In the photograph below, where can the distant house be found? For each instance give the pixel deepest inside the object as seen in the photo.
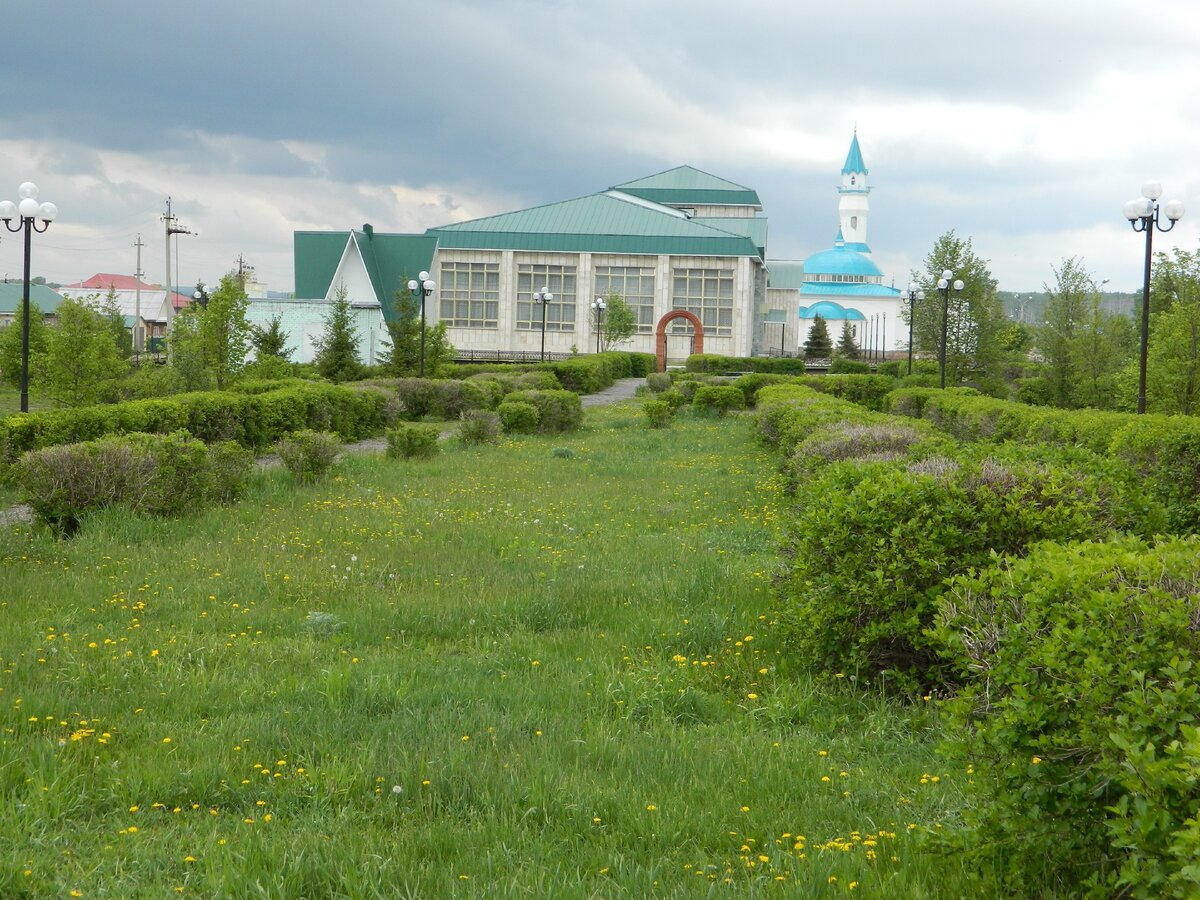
(12, 294)
(147, 308)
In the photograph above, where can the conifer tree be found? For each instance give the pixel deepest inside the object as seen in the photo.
(337, 348)
(818, 345)
(847, 347)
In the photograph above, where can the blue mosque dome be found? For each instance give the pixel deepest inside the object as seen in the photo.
(841, 260)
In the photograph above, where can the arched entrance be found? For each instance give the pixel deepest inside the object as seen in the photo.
(660, 342)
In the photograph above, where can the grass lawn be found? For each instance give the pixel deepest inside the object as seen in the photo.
(511, 670)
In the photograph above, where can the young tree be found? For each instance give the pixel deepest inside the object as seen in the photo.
(975, 315)
(401, 351)
(208, 344)
(10, 344)
(620, 322)
(818, 344)
(1103, 344)
(1066, 307)
(110, 310)
(847, 347)
(337, 347)
(1173, 361)
(270, 341)
(1176, 279)
(80, 353)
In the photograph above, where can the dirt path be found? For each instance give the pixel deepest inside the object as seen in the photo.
(623, 389)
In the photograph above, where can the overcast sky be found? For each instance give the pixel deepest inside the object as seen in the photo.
(1023, 125)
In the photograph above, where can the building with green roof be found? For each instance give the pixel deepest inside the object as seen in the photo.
(681, 239)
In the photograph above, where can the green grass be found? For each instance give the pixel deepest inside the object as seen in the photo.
(502, 671)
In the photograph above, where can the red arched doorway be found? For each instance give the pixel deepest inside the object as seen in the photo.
(660, 342)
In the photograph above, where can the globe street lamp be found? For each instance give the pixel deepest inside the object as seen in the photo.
(1144, 215)
(912, 295)
(424, 287)
(201, 295)
(599, 306)
(944, 285)
(543, 297)
(27, 214)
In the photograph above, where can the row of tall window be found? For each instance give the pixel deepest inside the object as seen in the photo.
(470, 295)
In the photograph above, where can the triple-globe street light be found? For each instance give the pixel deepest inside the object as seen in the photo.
(599, 306)
(544, 297)
(912, 295)
(27, 213)
(944, 284)
(1145, 214)
(422, 287)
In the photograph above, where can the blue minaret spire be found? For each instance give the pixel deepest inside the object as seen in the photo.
(854, 206)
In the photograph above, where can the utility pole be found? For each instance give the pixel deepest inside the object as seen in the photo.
(172, 228)
(139, 333)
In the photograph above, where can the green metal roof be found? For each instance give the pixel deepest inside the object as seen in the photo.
(687, 186)
(316, 255)
(12, 292)
(599, 223)
(390, 259)
(785, 273)
(752, 227)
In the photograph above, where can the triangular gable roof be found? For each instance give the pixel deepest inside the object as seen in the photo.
(315, 258)
(609, 222)
(689, 186)
(854, 160)
(392, 260)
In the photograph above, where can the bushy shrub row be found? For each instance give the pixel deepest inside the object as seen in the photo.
(556, 411)
(441, 399)
(252, 420)
(865, 390)
(157, 474)
(718, 399)
(715, 364)
(1080, 723)
(596, 371)
(1164, 451)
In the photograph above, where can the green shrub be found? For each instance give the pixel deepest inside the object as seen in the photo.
(156, 474)
(142, 383)
(407, 441)
(715, 364)
(846, 440)
(673, 399)
(865, 390)
(889, 369)
(1080, 721)
(308, 454)
(658, 413)
(875, 542)
(479, 426)
(718, 399)
(658, 382)
(751, 384)
(536, 381)
(557, 410)
(842, 366)
(687, 387)
(518, 417)
(495, 386)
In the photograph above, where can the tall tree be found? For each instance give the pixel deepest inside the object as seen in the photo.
(10, 344)
(975, 315)
(847, 347)
(110, 309)
(620, 322)
(401, 351)
(337, 347)
(1103, 344)
(80, 353)
(1176, 279)
(818, 344)
(1173, 361)
(1068, 301)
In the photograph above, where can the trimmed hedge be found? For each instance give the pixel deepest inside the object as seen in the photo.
(157, 474)
(252, 420)
(715, 364)
(1081, 723)
(557, 410)
(1164, 451)
(718, 399)
(865, 390)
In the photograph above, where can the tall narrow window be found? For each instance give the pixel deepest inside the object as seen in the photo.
(470, 294)
(635, 285)
(706, 293)
(560, 312)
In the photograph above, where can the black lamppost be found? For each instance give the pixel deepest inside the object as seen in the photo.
(912, 295)
(599, 306)
(27, 214)
(944, 285)
(422, 288)
(543, 297)
(201, 295)
(1144, 215)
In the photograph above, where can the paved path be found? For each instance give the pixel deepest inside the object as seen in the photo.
(621, 390)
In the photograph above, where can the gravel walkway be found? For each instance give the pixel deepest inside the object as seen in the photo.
(623, 389)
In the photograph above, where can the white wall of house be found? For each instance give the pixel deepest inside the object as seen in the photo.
(304, 322)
